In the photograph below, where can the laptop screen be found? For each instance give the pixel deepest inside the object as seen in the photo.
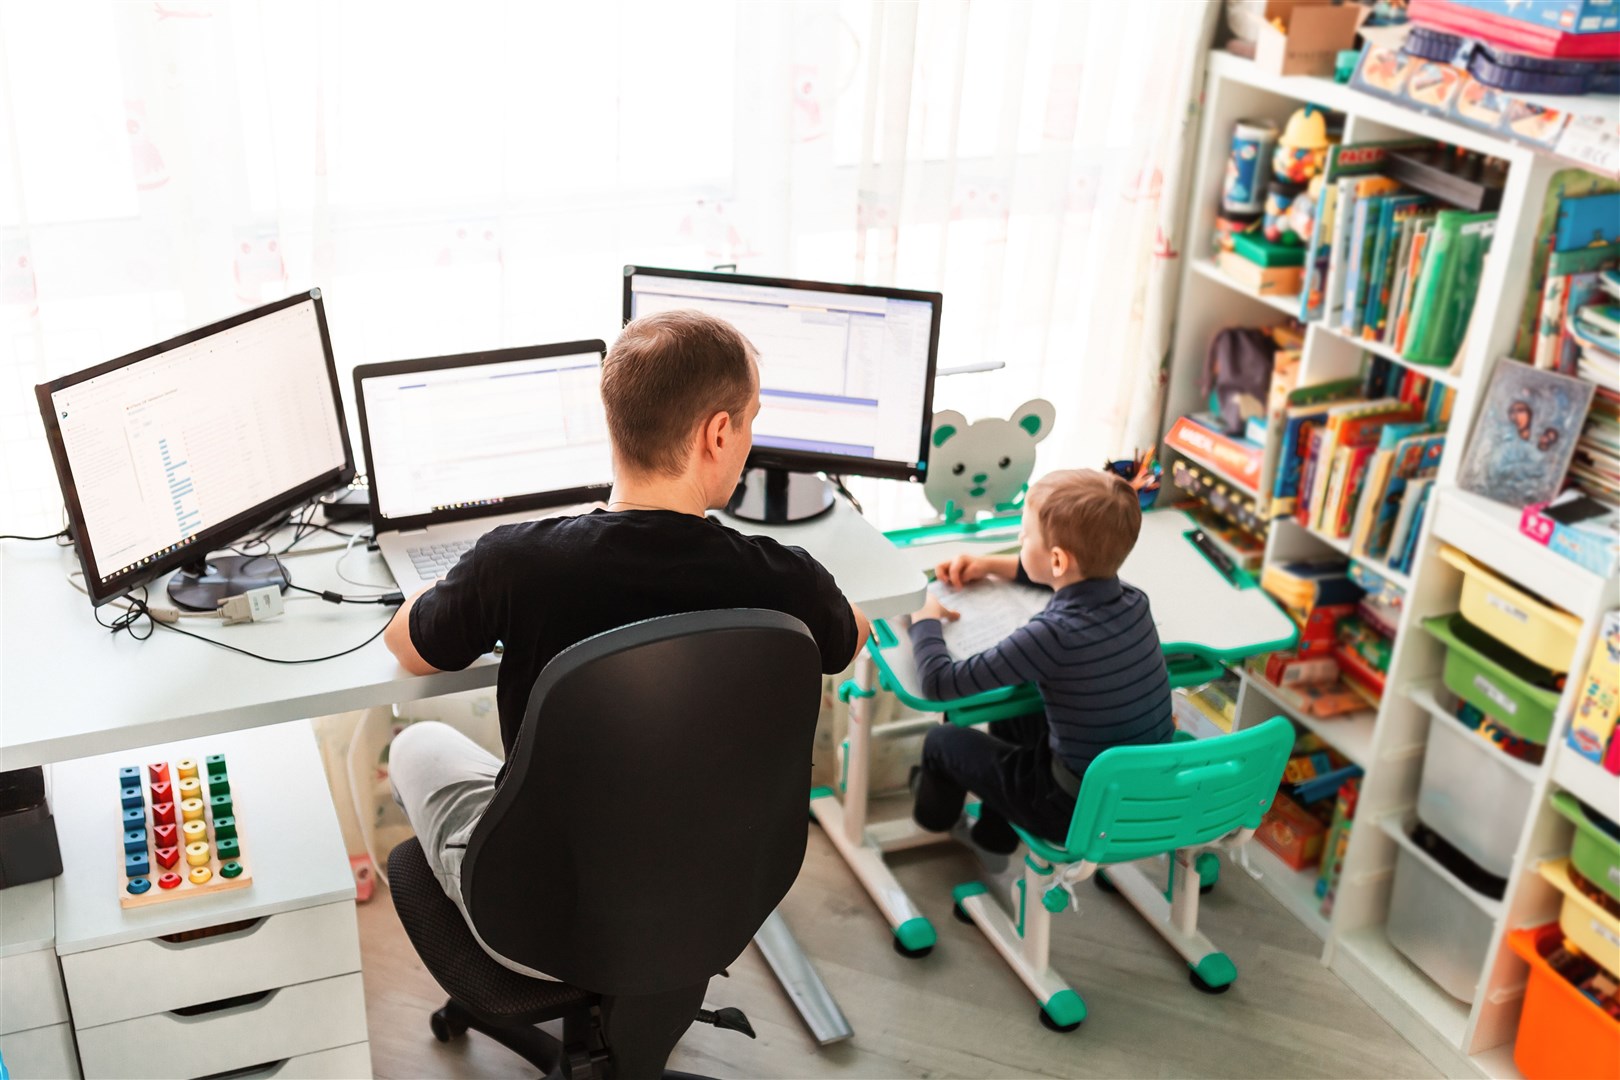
(469, 434)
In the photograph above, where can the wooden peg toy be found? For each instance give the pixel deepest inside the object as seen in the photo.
(164, 835)
(169, 881)
(158, 772)
(163, 813)
(197, 854)
(193, 831)
(136, 864)
(187, 767)
(167, 856)
(131, 797)
(200, 875)
(191, 810)
(134, 840)
(139, 885)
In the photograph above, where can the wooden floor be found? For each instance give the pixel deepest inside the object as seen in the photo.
(960, 1011)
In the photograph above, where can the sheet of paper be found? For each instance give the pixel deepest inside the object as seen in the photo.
(990, 611)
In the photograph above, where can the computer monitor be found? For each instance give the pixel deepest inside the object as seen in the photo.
(846, 377)
(467, 436)
(181, 448)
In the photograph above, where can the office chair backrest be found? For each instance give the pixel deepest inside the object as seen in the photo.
(1137, 801)
(655, 808)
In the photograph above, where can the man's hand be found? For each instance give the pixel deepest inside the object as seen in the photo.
(933, 609)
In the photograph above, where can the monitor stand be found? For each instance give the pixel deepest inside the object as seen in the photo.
(201, 585)
(779, 497)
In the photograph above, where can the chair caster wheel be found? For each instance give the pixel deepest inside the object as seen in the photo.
(961, 914)
(1205, 890)
(912, 954)
(1199, 984)
(1104, 884)
(446, 1027)
(1052, 1025)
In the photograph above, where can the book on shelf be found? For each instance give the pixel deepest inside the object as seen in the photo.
(1351, 424)
(1589, 538)
(1343, 169)
(1448, 283)
(1200, 437)
(1307, 585)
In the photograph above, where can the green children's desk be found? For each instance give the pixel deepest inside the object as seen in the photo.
(1206, 618)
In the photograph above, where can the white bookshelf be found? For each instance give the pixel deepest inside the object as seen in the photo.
(1389, 741)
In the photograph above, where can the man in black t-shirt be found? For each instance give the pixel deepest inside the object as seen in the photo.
(681, 390)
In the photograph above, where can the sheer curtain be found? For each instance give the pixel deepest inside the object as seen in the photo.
(471, 176)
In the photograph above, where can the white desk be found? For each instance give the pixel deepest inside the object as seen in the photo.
(69, 688)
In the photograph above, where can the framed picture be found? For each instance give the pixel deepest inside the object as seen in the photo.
(1526, 434)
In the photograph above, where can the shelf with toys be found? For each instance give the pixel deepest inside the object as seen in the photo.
(1333, 539)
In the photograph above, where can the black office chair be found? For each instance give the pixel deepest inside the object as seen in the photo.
(651, 817)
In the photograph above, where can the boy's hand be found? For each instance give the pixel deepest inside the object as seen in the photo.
(933, 609)
(962, 570)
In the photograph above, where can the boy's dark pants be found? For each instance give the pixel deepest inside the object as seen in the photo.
(1009, 768)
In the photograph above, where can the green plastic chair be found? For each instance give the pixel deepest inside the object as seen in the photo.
(1176, 803)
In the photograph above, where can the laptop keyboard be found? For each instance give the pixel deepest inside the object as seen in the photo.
(433, 561)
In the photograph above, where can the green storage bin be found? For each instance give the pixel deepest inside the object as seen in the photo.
(1489, 675)
(1595, 853)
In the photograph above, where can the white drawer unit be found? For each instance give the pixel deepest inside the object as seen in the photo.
(283, 1023)
(155, 975)
(341, 1063)
(31, 992)
(44, 1053)
(36, 1039)
(264, 978)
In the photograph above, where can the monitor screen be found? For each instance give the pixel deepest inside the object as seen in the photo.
(187, 445)
(846, 372)
(466, 433)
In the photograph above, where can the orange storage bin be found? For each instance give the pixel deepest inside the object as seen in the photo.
(1562, 1033)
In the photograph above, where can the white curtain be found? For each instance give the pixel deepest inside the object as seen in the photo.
(467, 176)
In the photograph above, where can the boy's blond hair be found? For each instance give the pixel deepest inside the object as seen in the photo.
(1093, 515)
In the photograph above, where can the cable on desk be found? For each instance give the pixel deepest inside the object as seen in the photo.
(138, 610)
(52, 536)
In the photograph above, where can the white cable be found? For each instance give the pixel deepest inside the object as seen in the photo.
(348, 549)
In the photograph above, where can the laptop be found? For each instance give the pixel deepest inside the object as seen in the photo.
(458, 445)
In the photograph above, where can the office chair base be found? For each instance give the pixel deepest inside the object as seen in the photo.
(1198, 982)
(531, 1044)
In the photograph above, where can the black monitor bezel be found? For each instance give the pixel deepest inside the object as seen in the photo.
(810, 460)
(215, 536)
(534, 501)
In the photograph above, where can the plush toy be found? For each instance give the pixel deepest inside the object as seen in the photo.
(984, 466)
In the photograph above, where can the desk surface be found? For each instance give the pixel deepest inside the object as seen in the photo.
(69, 688)
(290, 838)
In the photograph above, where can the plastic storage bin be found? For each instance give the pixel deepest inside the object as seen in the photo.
(1492, 677)
(1562, 1032)
(1590, 929)
(1435, 920)
(1524, 623)
(1471, 795)
(1596, 852)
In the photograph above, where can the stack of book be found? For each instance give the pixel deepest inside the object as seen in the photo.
(1200, 437)
(1357, 458)
(1339, 663)
(1596, 334)
(1390, 264)
(1579, 284)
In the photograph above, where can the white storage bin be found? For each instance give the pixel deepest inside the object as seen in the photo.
(1436, 921)
(1472, 796)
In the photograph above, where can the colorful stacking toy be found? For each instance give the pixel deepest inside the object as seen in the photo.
(188, 842)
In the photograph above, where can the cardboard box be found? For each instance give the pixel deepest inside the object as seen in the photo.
(1314, 33)
(1292, 833)
(1261, 280)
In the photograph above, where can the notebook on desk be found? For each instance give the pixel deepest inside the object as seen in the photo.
(990, 611)
(458, 445)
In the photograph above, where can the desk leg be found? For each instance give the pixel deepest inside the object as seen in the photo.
(845, 825)
(802, 982)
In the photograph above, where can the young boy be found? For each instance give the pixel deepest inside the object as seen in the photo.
(1093, 652)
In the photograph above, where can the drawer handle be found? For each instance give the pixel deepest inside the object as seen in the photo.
(241, 1003)
(187, 938)
(263, 1071)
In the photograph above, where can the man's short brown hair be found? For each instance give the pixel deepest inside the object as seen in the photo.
(1093, 515)
(666, 375)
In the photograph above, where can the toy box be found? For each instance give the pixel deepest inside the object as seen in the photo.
(1593, 544)
(1572, 29)
(1304, 37)
(1597, 709)
(1292, 833)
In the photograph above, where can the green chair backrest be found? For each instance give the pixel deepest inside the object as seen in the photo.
(1138, 801)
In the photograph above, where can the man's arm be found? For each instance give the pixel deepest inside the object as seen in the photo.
(863, 629)
(397, 636)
